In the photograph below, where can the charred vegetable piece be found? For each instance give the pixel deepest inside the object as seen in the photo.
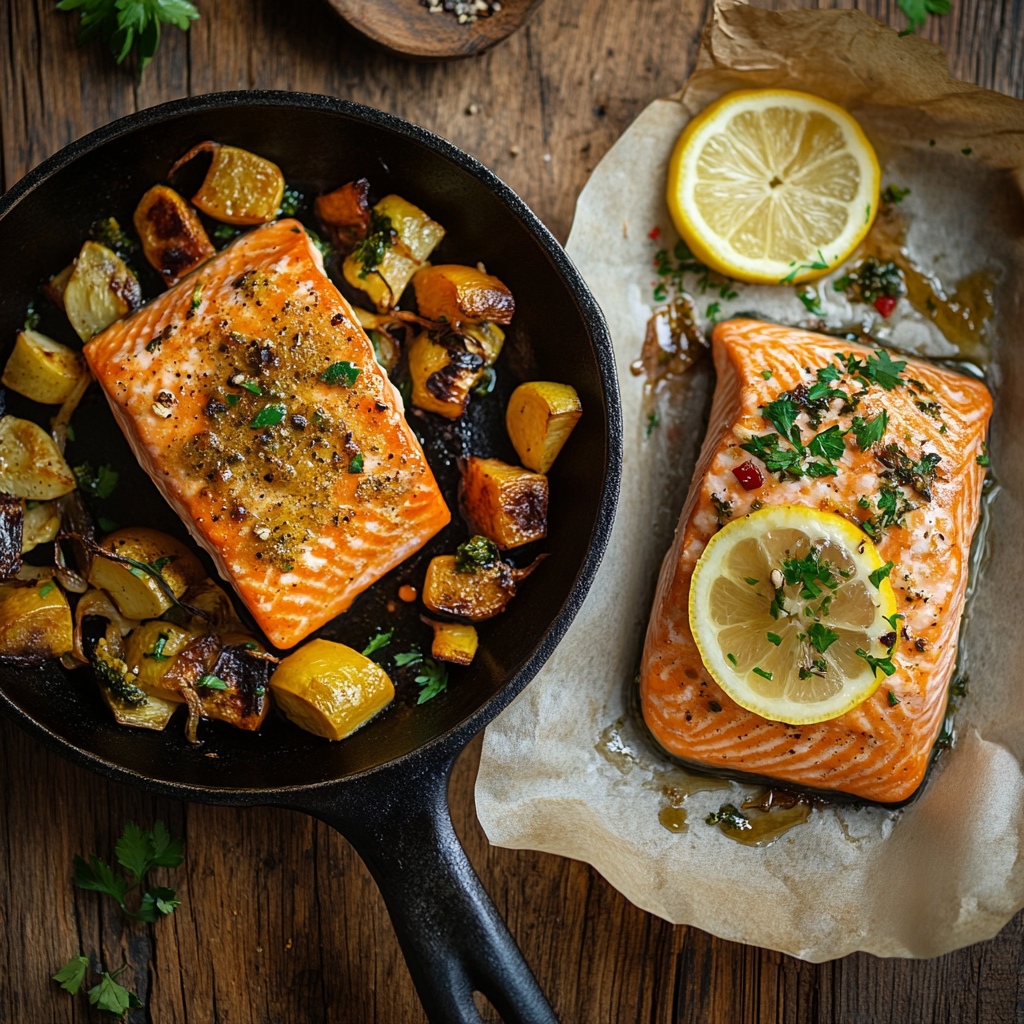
(399, 240)
(130, 705)
(236, 690)
(40, 524)
(458, 294)
(474, 595)
(173, 239)
(54, 288)
(540, 417)
(330, 690)
(150, 650)
(485, 339)
(35, 622)
(101, 289)
(12, 512)
(42, 369)
(505, 503)
(442, 378)
(239, 188)
(30, 464)
(132, 584)
(453, 641)
(206, 596)
(345, 214)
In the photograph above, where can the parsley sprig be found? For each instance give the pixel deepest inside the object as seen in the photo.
(138, 851)
(918, 10)
(108, 995)
(433, 677)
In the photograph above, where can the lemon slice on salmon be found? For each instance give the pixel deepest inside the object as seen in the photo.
(773, 186)
(793, 614)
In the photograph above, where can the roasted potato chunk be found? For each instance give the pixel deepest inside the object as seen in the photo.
(35, 622)
(485, 339)
(460, 294)
(130, 704)
(135, 592)
(54, 288)
(473, 584)
(540, 417)
(173, 239)
(30, 464)
(101, 289)
(345, 214)
(505, 503)
(330, 690)
(399, 240)
(442, 378)
(40, 525)
(149, 652)
(453, 641)
(42, 369)
(239, 188)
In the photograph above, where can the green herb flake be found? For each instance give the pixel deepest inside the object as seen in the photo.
(268, 416)
(767, 374)
(100, 483)
(355, 464)
(821, 637)
(70, 431)
(870, 432)
(157, 654)
(291, 202)
(732, 660)
(811, 301)
(652, 423)
(380, 236)
(893, 699)
(782, 414)
(829, 444)
(379, 641)
(251, 385)
(713, 311)
(894, 194)
(211, 682)
(916, 12)
(432, 680)
(413, 657)
(31, 316)
(197, 298)
(45, 589)
(751, 580)
(967, 151)
(342, 372)
(232, 400)
(774, 638)
(880, 574)
(72, 974)
(111, 997)
(730, 817)
(475, 554)
(983, 459)
(758, 671)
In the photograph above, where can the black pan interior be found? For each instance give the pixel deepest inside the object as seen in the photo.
(557, 334)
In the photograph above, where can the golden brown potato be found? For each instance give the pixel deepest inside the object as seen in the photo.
(130, 704)
(485, 339)
(505, 503)
(540, 417)
(35, 621)
(42, 369)
(101, 289)
(458, 294)
(30, 465)
(479, 592)
(442, 378)
(135, 592)
(345, 214)
(149, 651)
(400, 238)
(173, 239)
(453, 641)
(40, 525)
(239, 188)
(330, 690)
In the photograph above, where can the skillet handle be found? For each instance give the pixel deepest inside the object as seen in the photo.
(453, 938)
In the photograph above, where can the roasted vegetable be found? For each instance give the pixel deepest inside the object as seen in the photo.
(173, 239)
(505, 503)
(442, 378)
(399, 240)
(477, 594)
(40, 524)
(97, 603)
(35, 622)
(213, 602)
(458, 294)
(485, 339)
(330, 690)
(540, 417)
(453, 641)
(237, 690)
(42, 369)
(239, 188)
(150, 650)
(54, 288)
(131, 705)
(30, 464)
(12, 515)
(146, 554)
(345, 214)
(385, 348)
(101, 289)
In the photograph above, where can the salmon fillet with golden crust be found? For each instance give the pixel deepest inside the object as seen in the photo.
(252, 397)
(879, 751)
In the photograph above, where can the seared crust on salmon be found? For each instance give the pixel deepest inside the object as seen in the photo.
(880, 750)
(251, 396)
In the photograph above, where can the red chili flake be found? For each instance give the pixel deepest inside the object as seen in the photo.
(749, 476)
(885, 304)
(654, 233)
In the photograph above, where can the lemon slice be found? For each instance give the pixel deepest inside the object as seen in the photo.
(773, 186)
(781, 601)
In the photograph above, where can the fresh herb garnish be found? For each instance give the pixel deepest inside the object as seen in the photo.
(811, 573)
(72, 974)
(893, 699)
(355, 464)
(880, 574)
(894, 194)
(252, 386)
(758, 671)
(732, 660)
(197, 298)
(751, 580)
(723, 509)
(475, 554)
(774, 638)
(713, 311)
(100, 483)
(729, 816)
(879, 368)
(115, 999)
(211, 682)
(327, 250)
(342, 372)
(884, 665)
(122, 24)
(652, 422)
(767, 374)
(983, 459)
(45, 589)
(919, 475)
(379, 641)
(138, 851)
(869, 432)
(917, 10)
(671, 274)
(225, 233)
(782, 414)
(157, 654)
(413, 657)
(232, 400)
(893, 507)
(812, 303)
(821, 637)
(432, 679)
(291, 201)
(829, 444)
(268, 416)
(819, 264)
(379, 238)
(157, 567)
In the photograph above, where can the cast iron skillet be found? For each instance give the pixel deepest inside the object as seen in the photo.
(385, 787)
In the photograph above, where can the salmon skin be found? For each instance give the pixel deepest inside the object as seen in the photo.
(251, 396)
(880, 750)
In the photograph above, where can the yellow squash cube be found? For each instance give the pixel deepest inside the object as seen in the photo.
(42, 369)
(442, 380)
(505, 503)
(453, 641)
(35, 621)
(459, 294)
(540, 417)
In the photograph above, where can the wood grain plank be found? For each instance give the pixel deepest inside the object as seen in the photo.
(280, 920)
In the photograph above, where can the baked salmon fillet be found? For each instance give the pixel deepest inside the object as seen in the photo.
(921, 512)
(252, 397)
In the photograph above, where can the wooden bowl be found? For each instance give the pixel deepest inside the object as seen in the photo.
(407, 29)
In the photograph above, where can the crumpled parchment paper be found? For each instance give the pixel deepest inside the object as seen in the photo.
(566, 769)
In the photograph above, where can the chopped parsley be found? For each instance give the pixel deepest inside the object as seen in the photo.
(893, 507)
(251, 385)
(919, 475)
(475, 554)
(157, 654)
(379, 641)
(671, 274)
(819, 264)
(732, 660)
(652, 422)
(197, 298)
(355, 464)
(893, 699)
(782, 414)
(342, 372)
(232, 400)
(811, 573)
(894, 194)
(379, 238)
(758, 671)
(869, 432)
(100, 483)
(268, 416)
(821, 637)
(879, 368)
(880, 574)
(884, 665)
(730, 817)
(751, 580)
(723, 509)
(411, 657)
(870, 280)
(45, 589)
(774, 638)
(983, 459)
(767, 374)
(211, 682)
(829, 444)
(812, 303)
(432, 679)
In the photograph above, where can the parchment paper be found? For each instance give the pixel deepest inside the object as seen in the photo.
(946, 871)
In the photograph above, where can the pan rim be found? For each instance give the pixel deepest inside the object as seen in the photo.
(453, 739)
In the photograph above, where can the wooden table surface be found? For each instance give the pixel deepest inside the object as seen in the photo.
(280, 921)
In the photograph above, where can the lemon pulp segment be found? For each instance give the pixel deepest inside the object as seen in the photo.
(781, 602)
(773, 186)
